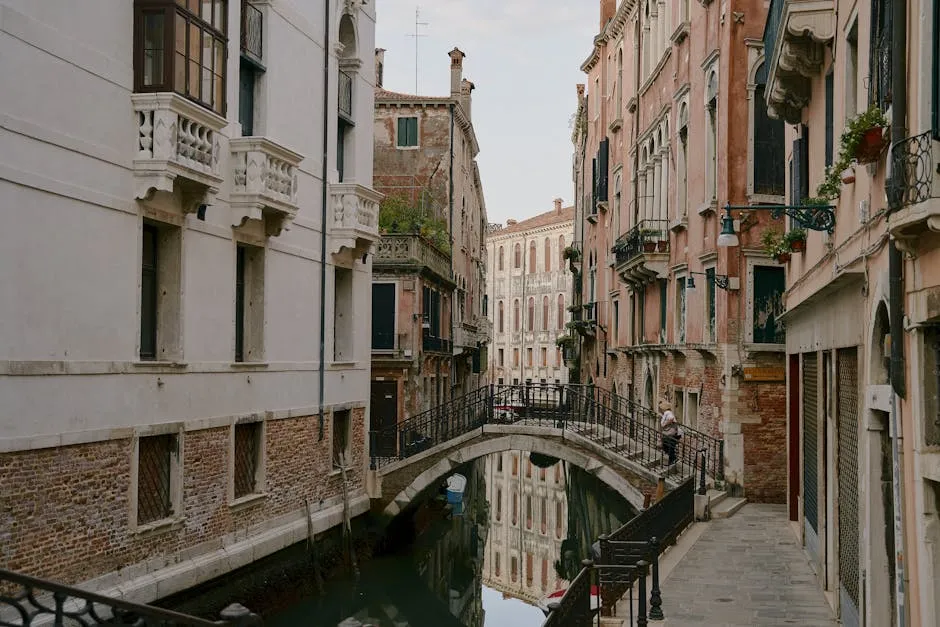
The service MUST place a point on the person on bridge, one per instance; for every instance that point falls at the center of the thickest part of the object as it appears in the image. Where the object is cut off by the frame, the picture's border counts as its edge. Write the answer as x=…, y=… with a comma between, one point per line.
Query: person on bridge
x=670, y=431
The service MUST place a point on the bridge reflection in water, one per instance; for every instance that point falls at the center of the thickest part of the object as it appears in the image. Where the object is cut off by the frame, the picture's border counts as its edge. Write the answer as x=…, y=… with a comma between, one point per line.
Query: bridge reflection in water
x=526, y=523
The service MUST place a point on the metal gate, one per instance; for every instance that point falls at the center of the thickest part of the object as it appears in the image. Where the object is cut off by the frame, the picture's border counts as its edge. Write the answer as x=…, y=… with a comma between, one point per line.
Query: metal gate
x=847, y=364
x=810, y=451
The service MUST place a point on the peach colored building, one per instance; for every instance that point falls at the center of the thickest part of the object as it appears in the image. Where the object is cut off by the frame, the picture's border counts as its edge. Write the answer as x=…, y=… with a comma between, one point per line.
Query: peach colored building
x=430, y=328
x=671, y=128
x=863, y=302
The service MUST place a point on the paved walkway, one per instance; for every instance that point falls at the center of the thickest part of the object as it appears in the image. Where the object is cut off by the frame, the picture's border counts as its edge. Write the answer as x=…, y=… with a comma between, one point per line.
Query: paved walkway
x=743, y=571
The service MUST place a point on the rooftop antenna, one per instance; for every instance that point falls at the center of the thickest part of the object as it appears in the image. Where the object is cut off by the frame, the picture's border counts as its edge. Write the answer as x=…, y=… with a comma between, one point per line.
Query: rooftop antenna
x=415, y=35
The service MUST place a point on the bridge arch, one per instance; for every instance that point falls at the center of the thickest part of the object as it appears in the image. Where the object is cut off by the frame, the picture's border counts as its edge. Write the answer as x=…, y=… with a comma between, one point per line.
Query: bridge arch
x=474, y=449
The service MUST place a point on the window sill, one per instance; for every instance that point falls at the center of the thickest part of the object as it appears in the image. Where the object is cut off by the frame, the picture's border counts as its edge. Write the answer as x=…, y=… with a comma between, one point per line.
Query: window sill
x=708, y=208
x=244, y=502
x=249, y=365
x=160, y=365
x=341, y=365
x=407, y=147
x=159, y=527
x=752, y=347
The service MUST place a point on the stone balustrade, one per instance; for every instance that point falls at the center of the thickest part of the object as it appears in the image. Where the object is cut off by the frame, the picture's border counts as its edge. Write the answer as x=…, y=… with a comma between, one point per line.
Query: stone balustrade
x=406, y=249
x=353, y=216
x=265, y=182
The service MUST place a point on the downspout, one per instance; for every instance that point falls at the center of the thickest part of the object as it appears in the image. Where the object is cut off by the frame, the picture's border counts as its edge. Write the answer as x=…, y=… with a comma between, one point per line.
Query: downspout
x=324, y=198
x=636, y=199
x=453, y=247
x=895, y=302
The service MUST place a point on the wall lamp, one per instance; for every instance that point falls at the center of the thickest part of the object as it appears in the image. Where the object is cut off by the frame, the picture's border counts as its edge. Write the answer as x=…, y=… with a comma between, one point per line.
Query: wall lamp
x=722, y=281
x=813, y=217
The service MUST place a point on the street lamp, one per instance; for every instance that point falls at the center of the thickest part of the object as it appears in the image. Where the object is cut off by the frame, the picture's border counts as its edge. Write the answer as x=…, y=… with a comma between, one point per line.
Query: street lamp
x=813, y=217
x=722, y=281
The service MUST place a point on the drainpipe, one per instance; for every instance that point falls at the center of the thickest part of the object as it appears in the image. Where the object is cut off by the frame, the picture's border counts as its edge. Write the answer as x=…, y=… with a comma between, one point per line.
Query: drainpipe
x=324, y=199
x=636, y=192
x=895, y=302
x=453, y=247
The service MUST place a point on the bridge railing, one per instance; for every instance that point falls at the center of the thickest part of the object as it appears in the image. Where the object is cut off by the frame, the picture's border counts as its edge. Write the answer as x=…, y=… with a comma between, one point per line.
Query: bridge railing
x=625, y=427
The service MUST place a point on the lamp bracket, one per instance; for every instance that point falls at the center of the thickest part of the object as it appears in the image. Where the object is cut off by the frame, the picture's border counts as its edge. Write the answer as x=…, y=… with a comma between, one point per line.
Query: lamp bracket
x=813, y=217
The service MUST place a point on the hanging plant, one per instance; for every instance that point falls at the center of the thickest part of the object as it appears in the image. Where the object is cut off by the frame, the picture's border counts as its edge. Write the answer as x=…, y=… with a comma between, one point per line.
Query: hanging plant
x=795, y=240
x=571, y=253
x=774, y=245
x=862, y=141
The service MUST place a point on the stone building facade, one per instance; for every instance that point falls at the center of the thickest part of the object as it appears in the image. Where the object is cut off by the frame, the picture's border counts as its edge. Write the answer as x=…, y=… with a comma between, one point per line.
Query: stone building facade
x=430, y=329
x=529, y=290
x=665, y=312
x=181, y=371
x=863, y=301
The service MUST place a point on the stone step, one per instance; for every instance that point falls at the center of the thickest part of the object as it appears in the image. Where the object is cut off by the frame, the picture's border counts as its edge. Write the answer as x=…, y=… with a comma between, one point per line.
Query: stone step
x=728, y=507
x=715, y=497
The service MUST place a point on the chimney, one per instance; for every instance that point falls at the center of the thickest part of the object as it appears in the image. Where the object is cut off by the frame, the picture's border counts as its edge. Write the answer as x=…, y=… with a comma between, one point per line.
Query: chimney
x=608, y=10
x=379, y=65
x=465, y=88
x=456, y=71
x=558, y=205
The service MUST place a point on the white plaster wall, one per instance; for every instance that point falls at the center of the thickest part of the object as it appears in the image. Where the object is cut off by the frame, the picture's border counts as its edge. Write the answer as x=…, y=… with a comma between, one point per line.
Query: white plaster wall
x=70, y=253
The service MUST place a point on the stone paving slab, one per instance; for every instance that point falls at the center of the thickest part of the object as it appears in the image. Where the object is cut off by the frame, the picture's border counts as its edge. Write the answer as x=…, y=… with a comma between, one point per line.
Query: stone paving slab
x=744, y=571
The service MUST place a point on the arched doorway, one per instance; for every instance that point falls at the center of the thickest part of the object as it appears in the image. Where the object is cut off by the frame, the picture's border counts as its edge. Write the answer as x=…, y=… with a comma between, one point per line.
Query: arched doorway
x=648, y=394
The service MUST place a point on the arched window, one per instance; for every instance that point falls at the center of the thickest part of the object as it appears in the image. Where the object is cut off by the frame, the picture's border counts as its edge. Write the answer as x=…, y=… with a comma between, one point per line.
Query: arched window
x=683, y=164
x=618, y=86
x=561, y=252
x=545, y=312
x=531, y=326
x=561, y=312
x=711, y=138
x=548, y=255
x=532, y=257
x=500, y=258
x=515, y=315
x=517, y=256
x=499, y=318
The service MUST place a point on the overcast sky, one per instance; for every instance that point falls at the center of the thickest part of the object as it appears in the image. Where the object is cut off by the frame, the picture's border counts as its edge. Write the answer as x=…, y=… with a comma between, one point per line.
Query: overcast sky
x=524, y=58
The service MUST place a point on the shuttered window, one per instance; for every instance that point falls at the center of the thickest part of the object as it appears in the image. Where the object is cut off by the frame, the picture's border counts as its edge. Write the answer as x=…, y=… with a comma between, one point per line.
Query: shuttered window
x=407, y=132
x=829, y=118
x=383, y=316
x=602, y=161
x=148, y=293
x=810, y=442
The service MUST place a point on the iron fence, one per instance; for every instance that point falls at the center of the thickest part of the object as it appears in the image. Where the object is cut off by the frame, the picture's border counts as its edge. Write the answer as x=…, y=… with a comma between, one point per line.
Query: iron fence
x=648, y=236
x=912, y=171
x=26, y=600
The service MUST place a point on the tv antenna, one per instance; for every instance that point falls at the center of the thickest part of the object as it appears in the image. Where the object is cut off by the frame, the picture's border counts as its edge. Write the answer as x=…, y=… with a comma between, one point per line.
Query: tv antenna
x=416, y=35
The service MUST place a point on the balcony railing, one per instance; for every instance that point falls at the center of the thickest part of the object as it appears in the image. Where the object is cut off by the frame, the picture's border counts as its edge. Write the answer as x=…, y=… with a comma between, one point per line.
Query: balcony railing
x=437, y=344
x=913, y=171
x=649, y=236
x=354, y=210
x=252, y=29
x=265, y=177
x=406, y=249
x=345, y=94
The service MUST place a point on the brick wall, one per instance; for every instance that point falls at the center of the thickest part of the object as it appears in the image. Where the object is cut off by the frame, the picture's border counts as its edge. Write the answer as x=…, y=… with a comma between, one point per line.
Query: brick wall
x=64, y=512
x=765, y=450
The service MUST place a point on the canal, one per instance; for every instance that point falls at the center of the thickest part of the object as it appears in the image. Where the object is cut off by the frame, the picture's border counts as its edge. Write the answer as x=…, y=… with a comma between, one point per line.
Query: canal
x=524, y=525
x=518, y=534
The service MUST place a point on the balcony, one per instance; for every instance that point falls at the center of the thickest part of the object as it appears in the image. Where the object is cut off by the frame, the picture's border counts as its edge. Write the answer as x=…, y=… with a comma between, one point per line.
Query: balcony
x=643, y=252
x=398, y=251
x=353, y=217
x=265, y=183
x=177, y=149
x=914, y=188
x=391, y=347
x=795, y=37
x=432, y=344
x=465, y=337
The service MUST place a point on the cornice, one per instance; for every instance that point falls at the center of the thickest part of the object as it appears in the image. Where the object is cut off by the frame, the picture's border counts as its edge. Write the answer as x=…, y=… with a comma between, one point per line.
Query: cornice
x=709, y=59
x=612, y=30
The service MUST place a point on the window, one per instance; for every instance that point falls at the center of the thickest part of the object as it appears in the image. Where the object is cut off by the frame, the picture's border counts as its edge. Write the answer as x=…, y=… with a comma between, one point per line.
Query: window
x=528, y=357
x=711, y=114
x=383, y=316
x=544, y=568
x=517, y=256
x=249, y=302
x=528, y=565
x=343, y=133
x=496, y=556
x=499, y=317
x=560, y=322
x=502, y=354
x=514, y=569
x=561, y=252
x=880, y=85
x=663, y=292
x=545, y=313
x=341, y=438
x=683, y=164
x=499, y=503
x=343, y=318
x=935, y=101
x=558, y=519
x=769, y=283
x=247, y=85
x=544, y=357
x=830, y=114
x=407, y=136
x=501, y=258
x=247, y=458
x=531, y=320
x=499, y=463
x=160, y=302
x=515, y=508
x=181, y=46
x=528, y=509
x=851, y=71
x=157, y=477
x=680, y=309
x=769, y=144
x=548, y=255
x=710, y=305
x=515, y=358
x=532, y=265
x=558, y=360
x=515, y=315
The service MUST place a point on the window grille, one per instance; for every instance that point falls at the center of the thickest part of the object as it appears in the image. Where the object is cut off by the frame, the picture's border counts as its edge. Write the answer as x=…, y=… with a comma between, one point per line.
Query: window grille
x=810, y=441
x=847, y=364
x=153, y=477
x=247, y=453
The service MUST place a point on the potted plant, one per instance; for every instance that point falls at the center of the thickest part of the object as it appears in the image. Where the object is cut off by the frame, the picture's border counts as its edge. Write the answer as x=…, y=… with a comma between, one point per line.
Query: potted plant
x=662, y=246
x=571, y=253
x=796, y=240
x=864, y=135
x=848, y=175
x=774, y=245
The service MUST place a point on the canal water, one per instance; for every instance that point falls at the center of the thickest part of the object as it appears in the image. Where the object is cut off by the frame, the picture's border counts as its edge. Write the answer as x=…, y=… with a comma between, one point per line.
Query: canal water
x=519, y=533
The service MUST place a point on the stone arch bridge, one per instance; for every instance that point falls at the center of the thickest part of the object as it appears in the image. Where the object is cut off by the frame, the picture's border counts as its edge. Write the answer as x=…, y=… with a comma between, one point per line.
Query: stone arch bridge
x=609, y=436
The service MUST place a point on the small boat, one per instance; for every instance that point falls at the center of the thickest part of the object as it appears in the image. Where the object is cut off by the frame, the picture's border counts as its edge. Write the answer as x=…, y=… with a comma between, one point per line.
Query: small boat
x=456, y=483
x=557, y=594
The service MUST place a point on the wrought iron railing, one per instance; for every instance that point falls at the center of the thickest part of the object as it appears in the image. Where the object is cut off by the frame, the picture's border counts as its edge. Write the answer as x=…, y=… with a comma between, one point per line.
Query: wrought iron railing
x=648, y=236
x=345, y=94
x=627, y=429
x=437, y=344
x=252, y=30
x=912, y=171
x=26, y=600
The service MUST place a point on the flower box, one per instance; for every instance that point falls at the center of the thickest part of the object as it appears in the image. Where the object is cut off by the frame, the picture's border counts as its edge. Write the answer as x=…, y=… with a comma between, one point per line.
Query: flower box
x=870, y=145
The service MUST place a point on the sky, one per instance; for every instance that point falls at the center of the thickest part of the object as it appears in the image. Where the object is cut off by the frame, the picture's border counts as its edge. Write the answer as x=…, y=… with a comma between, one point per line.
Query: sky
x=524, y=58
